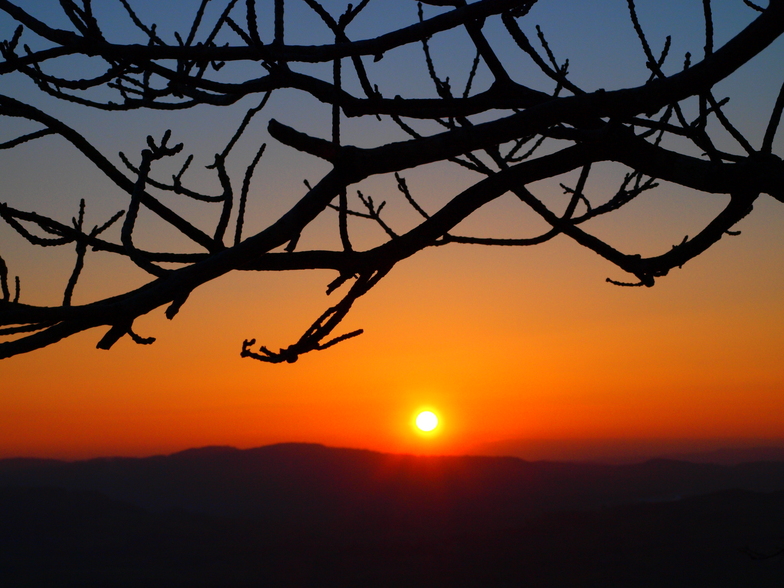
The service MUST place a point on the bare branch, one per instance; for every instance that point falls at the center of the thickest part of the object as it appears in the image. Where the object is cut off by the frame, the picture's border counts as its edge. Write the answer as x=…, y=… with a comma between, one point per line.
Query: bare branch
x=509, y=135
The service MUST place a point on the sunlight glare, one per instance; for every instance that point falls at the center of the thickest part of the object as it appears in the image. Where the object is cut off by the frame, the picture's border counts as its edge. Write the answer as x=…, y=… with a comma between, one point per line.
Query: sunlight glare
x=426, y=421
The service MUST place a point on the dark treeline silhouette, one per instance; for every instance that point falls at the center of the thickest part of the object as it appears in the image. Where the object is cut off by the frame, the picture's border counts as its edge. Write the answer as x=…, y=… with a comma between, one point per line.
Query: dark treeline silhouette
x=509, y=132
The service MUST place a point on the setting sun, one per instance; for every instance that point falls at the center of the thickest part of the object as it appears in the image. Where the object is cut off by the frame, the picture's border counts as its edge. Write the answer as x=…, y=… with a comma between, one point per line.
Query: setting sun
x=426, y=421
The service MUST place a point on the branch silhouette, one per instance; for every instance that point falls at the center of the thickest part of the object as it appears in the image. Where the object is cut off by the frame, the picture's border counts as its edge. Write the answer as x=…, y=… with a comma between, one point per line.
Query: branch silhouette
x=508, y=134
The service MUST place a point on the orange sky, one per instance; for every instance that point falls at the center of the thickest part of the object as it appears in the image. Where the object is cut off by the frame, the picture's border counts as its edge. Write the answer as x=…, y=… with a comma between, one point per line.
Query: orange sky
x=504, y=344
x=501, y=343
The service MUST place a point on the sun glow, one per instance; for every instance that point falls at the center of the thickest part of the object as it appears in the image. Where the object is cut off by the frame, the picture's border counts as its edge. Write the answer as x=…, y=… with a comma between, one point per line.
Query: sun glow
x=426, y=421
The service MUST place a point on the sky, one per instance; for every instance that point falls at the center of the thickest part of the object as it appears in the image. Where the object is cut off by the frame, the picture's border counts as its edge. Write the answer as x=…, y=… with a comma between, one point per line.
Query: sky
x=504, y=344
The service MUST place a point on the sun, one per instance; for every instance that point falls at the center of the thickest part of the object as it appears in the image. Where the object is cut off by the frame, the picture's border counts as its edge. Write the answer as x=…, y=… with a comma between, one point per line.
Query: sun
x=426, y=421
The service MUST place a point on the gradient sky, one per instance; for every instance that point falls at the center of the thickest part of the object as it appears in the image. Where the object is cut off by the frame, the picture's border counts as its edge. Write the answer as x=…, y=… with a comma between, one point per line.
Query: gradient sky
x=503, y=344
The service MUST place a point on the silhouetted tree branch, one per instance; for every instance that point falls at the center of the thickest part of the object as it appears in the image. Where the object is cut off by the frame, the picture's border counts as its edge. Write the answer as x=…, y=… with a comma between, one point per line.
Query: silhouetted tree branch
x=497, y=131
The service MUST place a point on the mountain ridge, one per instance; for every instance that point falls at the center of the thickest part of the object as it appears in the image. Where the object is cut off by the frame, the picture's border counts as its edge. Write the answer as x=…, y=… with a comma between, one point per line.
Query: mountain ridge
x=311, y=515
x=315, y=485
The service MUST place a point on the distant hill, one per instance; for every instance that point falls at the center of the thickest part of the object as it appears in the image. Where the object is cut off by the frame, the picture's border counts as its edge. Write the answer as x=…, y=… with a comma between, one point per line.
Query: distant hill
x=58, y=537
x=732, y=456
x=317, y=487
x=629, y=451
